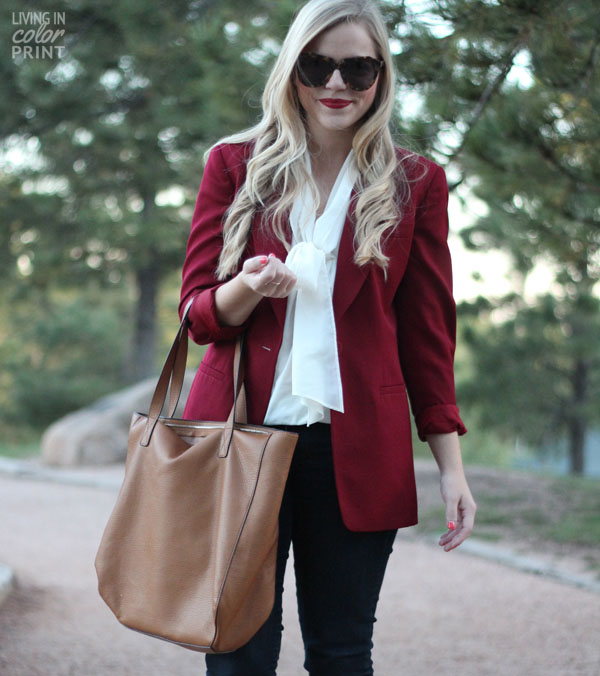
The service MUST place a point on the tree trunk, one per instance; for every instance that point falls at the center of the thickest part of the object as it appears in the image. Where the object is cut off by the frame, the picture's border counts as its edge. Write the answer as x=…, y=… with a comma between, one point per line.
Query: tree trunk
x=147, y=277
x=577, y=433
x=144, y=338
x=577, y=422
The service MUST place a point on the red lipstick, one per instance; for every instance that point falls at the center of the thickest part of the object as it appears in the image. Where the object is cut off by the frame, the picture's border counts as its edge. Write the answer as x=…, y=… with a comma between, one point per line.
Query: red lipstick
x=335, y=103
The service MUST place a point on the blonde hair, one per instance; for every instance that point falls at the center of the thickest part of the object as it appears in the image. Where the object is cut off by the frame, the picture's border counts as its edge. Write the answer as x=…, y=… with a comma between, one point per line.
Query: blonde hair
x=276, y=169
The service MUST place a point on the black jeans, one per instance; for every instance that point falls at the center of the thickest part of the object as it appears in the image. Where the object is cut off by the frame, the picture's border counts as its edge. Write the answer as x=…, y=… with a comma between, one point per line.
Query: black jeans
x=338, y=574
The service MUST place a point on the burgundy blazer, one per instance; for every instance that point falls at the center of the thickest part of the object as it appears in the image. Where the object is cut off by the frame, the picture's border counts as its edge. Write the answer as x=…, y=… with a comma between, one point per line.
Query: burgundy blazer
x=395, y=337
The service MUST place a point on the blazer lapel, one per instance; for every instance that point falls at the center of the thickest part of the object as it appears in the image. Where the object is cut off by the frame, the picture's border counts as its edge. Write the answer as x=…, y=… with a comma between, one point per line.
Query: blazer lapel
x=348, y=276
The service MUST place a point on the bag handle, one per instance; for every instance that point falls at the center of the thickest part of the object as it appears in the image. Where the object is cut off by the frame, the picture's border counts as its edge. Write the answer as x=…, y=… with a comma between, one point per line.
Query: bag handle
x=172, y=375
x=239, y=393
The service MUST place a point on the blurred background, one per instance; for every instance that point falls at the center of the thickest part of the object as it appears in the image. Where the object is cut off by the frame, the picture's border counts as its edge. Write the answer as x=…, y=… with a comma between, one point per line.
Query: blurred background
x=102, y=137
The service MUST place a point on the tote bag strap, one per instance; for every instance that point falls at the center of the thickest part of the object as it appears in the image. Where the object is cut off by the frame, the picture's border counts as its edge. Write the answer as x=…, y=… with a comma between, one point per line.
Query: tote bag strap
x=172, y=375
x=239, y=399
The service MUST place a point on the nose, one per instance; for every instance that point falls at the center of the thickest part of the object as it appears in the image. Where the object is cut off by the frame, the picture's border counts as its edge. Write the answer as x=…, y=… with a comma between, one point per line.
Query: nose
x=335, y=81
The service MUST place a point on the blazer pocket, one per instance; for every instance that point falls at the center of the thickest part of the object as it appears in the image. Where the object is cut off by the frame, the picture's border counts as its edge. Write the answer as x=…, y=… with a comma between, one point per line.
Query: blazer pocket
x=400, y=388
x=212, y=372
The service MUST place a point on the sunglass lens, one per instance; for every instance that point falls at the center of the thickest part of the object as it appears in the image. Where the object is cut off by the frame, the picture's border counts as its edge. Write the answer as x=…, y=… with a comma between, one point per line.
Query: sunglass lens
x=313, y=69
x=360, y=73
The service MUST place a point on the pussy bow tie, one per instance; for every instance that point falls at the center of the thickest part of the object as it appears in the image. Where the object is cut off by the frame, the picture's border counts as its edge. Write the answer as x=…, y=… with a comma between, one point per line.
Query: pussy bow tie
x=316, y=374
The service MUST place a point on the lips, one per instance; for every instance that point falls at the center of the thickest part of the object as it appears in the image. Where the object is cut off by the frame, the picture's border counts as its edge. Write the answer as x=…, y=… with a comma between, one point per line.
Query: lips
x=335, y=103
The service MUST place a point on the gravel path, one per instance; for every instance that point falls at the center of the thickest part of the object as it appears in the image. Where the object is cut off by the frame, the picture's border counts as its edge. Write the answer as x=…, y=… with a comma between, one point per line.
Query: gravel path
x=448, y=614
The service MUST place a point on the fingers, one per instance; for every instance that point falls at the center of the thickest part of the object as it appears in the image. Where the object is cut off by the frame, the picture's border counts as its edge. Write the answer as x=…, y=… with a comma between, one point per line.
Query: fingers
x=269, y=276
x=283, y=289
x=463, y=524
x=451, y=515
x=255, y=264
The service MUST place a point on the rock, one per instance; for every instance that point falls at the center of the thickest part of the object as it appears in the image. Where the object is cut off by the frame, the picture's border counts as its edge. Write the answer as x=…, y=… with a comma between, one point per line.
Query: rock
x=97, y=434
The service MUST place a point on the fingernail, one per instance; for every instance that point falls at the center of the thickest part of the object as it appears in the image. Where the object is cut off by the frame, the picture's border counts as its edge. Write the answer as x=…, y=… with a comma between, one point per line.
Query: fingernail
x=451, y=525
x=263, y=259
x=272, y=254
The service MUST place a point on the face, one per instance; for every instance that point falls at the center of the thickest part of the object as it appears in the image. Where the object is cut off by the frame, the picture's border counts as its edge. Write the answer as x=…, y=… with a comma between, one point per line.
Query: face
x=322, y=104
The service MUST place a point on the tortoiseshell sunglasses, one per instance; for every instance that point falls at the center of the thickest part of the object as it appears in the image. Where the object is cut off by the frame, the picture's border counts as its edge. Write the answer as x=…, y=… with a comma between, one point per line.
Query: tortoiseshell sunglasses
x=358, y=72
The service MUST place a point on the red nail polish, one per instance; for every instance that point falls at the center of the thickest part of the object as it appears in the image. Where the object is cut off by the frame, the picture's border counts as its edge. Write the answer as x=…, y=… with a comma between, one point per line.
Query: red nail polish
x=451, y=525
x=263, y=259
x=271, y=254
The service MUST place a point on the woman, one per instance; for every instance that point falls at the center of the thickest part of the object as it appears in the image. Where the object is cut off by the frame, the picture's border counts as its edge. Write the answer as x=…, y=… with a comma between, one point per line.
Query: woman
x=327, y=246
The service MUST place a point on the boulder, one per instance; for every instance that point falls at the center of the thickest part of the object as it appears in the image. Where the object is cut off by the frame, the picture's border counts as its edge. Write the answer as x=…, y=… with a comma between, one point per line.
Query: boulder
x=97, y=434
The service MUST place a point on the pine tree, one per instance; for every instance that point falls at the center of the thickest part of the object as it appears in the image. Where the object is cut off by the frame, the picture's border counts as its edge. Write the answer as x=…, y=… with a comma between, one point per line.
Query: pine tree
x=531, y=153
x=115, y=131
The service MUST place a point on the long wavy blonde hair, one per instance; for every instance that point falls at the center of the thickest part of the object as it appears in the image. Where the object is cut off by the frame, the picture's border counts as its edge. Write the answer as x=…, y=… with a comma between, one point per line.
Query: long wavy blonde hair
x=276, y=169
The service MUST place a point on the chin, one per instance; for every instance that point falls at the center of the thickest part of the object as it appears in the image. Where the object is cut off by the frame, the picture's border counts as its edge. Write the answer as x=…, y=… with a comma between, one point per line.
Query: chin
x=341, y=124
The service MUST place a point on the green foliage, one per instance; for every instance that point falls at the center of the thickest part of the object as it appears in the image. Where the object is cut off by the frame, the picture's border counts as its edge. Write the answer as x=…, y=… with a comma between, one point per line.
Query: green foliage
x=116, y=130
x=526, y=143
x=109, y=142
x=19, y=450
x=581, y=522
x=59, y=358
x=529, y=368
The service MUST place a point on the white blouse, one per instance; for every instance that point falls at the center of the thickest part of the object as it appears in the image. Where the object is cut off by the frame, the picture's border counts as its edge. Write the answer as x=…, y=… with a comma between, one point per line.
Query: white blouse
x=307, y=381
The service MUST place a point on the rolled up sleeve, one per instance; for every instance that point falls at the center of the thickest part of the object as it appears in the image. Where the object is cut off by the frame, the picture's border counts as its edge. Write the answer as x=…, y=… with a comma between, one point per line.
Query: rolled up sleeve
x=204, y=324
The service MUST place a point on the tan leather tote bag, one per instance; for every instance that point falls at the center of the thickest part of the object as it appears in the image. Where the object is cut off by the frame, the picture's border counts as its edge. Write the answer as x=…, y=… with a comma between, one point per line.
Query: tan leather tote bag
x=189, y=552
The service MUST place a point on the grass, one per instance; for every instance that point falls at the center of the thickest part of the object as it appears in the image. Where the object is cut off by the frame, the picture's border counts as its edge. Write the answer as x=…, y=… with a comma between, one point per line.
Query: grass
x=563, y=509
x=19, y=451
x=19, y=443
x=580, y=521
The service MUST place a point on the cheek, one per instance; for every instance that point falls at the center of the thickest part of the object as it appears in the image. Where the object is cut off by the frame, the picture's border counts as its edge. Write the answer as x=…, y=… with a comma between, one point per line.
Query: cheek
x=369, y=96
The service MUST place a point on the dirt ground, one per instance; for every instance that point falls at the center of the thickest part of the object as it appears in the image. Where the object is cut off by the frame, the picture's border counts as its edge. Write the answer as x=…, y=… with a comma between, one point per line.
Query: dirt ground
x=448, y=614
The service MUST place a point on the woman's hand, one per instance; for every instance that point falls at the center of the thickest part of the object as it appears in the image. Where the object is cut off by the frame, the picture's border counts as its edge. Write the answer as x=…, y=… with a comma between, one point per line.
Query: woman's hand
x=460, y=506
x=260, y=276
x=268, y=276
